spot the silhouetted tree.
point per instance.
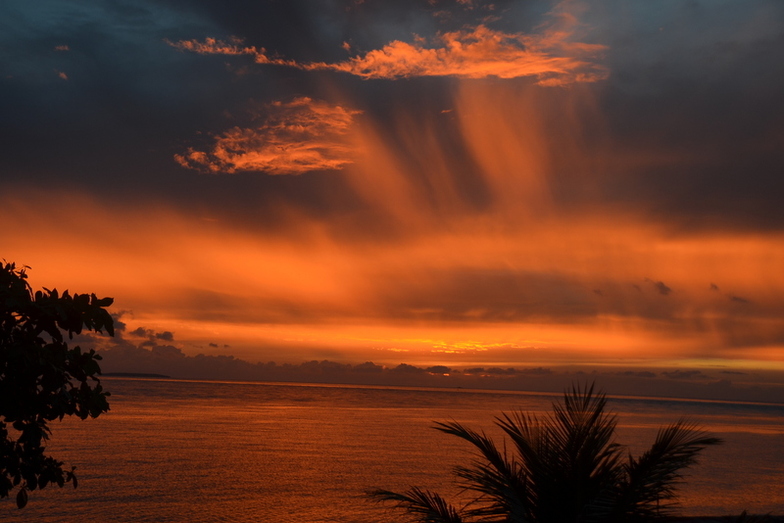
(41, 378)
(564, 468)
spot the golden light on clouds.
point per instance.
(234, 46)
(478, 53)
(214, 46)
(481, 52)
(293, 137)
(558, 291)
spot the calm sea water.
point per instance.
(203, 451)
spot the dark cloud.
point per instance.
(405, 368)
(508, 371)
(166, 352)
(486, 295)
(369, 366)
(119, 325)
(141, 332)
(170, 361)
(510, 296)
(537, 371)
(499, 371)
(737, 299)
(679, 374)
(664, 102)
(151, 335)
(165, 336)
(639, 374)
(660, 287)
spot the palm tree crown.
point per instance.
(564, 467)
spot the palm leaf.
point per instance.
(588, 457)
(564, 468)
(423, 505)
(570, 458)
(651, 480)
(497, 478)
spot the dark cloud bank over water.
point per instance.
(689, 384)
(144, 351)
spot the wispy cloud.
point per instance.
(293, 137)
(737, 299)
(213, 46)
(480, 52)
(660, 287)
(234, 46)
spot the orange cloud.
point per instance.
(295, 137)
(213, 46)
(479, 53)
(471, 291)
(233, 47)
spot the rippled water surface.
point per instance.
(203, 451)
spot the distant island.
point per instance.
(133, 375)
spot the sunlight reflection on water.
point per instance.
(199, 451)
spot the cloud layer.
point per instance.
(304, 135)
(479, 53)
(468, 53)
(292, 138)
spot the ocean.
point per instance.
(187, 451)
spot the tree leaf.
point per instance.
(48, 379)
(21, 498)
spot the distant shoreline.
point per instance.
(725, 519)
(133, 375)
(348, 384)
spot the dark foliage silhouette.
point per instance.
(41, 378)
(562, 468)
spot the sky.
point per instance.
(437, 182)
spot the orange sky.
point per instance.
(522, 280)
(511, 222)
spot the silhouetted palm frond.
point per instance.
(564, 468)
(570, 458)
(423, 505)
(650, 481)
(497, 477)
